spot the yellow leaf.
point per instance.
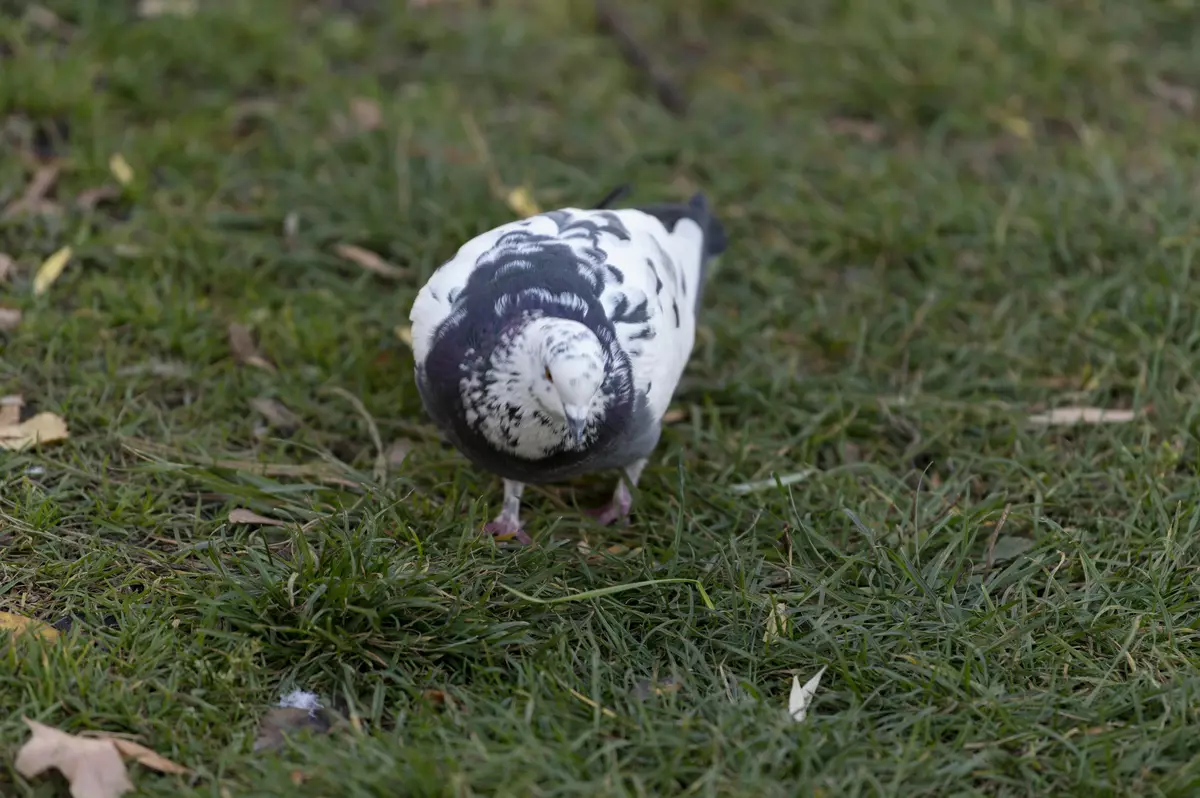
(777, 623)
(42, 428)
(1018, 126)
(18, 624)
(520, 200)
(50, 270)
(120, 169)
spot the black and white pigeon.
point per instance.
(551, 346)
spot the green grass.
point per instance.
(944, 217)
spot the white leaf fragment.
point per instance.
(1066, 416)
(802, 695)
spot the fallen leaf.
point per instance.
(50, 270)
(520, 200)
(139, 753)
(8, 267)
(42, 17)
(35, 192)
(802, 696)
(436, 697)
(365, 115)
(242, 516)
(370, 261)
(404, 333)
(157, 368)
(674, 415)
(777, 623)
(279, 722)
(92, 767)
(397, 452)
(297, 777)
(10, 319)
(862, 129)
(90, 198)
(245, 351)
(42, 428)
(120, 168)
(160, 8)
(275, 413)
(10, 410)
(1010, 547)
(1066, 416)
(1183, 98)
(19, 624)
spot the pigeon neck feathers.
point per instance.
(536, 356)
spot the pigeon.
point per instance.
(550, 347)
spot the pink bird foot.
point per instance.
(616, 510)
(504, 529)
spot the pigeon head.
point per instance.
(565, 370)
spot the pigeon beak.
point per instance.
(576, 426)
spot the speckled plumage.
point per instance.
(575, 314)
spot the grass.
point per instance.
(944, 217)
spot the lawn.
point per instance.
(945, 218)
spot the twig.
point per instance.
(612, 23)
(991, 547)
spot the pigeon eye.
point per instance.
(549, 378)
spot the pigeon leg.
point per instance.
(507, 525)
(622, 501)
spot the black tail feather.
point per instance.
(618, 193)
(696, 209)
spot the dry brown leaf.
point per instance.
(370, 261)
(35, 192)
(674, 415)
(10, 409)
(19, 624)
(42, 428)
(50, 270)
(245, 351)
(1066, 416)
(42, 17)
(8, 267)
(92, 767)
(364, 116)
(276, 414)
(242, 516)
(864, 130)
(366, 113)
(298, 777)
(10, 319)
(146, 757)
